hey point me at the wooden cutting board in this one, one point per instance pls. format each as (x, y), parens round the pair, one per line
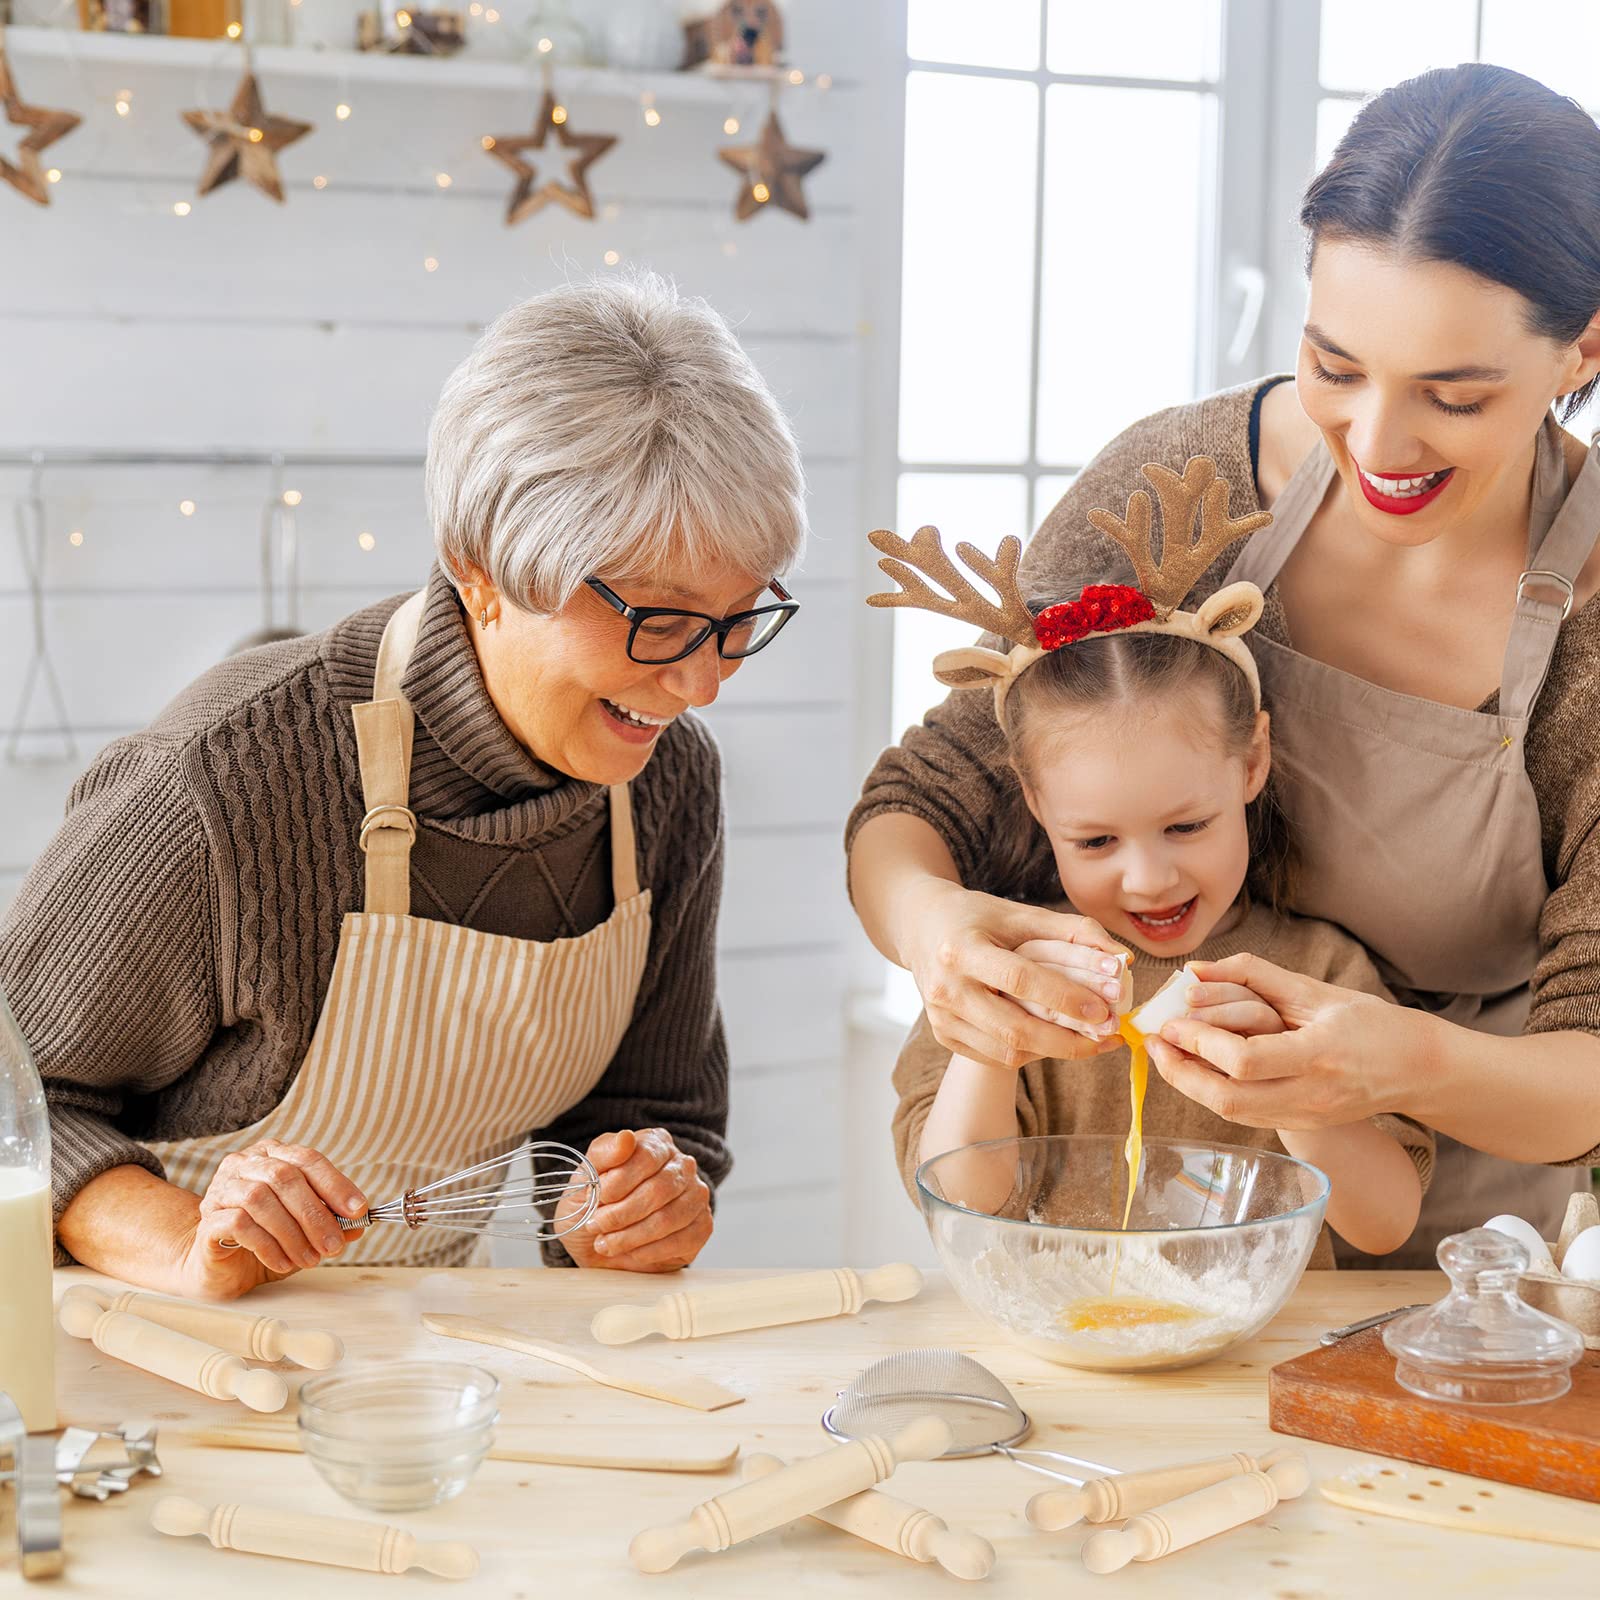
(1345, 1394)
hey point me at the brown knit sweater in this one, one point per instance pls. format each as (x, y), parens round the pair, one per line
(950, 771)
(168, 954)
(1092, 1096)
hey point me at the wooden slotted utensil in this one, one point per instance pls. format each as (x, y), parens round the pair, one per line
(654, 1381)
(548, 1446)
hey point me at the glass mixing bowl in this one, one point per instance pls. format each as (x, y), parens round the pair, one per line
(402, 1436)
(1030, 1232)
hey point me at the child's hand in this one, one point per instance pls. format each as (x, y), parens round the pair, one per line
(1234, 1008)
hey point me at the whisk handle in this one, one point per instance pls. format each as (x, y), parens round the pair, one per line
(1212, 1510)
(355, 1224)
(794, 1491)
(1120, 1495)
(763, 1303)
(302, 1536)
(895, 1525)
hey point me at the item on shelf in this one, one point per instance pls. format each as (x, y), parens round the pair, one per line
(415, 32)
(740, 34)
(643, 35)
(204, 19)
(326, 24)
(115, 16)
(577, 153)
(245, 141)
(27, 1341)
(772, 169)
(266, 21)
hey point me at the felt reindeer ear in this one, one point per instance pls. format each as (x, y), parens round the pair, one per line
(971, 667)
(1231, 611)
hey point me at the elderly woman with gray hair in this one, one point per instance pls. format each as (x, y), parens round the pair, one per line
(362, 909)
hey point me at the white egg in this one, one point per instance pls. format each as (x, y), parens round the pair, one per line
(1582, 1259)
(1528, 1237)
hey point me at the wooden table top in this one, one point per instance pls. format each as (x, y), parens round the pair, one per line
(546, 1531)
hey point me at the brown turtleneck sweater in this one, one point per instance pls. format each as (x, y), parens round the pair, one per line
(168, 954)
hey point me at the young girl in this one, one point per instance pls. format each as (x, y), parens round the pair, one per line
(1140, 747)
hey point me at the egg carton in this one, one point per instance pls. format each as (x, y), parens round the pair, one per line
(1571, 1300)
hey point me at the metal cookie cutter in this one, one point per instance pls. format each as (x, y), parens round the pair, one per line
(33, 1472)
(96, 1480)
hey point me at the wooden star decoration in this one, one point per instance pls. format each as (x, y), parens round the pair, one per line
(772, 169)
(245, 141)
(579, 152)
(27, 175)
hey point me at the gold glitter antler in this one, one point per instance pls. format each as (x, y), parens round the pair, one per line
(1167, 582)
(904, 559)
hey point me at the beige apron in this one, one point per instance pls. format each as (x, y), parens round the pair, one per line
(1419, 828)
(439, 1046)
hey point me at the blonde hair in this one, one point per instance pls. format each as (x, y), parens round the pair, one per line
(610, 427)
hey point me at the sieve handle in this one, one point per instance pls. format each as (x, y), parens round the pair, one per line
(240, 1332)
(793, 1491)
(1180, 1523)
(765, 1303)
(1123, 1494)
(894, 1525)
(300, 1536)
(174, 1356)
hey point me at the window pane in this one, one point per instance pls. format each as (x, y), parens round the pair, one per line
(1046, 491)
(1004, 33)
(1369, 44)
(1154, 39)
(1555, 41)
(1333, 117)
(981, 508)
(1122, 255)
(966, 320)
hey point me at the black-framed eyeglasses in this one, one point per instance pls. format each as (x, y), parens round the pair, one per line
(658, 635)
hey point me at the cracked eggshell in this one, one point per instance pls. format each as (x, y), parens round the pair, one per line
(1168, 1003)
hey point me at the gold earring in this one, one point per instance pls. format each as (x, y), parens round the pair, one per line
(483, 618)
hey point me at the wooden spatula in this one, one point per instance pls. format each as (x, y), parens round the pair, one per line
(551, 1446)
(657, 1382)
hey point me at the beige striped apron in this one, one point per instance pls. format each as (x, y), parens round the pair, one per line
(438, 1046)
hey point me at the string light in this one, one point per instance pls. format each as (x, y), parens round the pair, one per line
(762, 193)
(731, 125)
(234, 30)
(491, 15)
(75, 538)
(652, 117)
(54, 175)
(612, 258)
(342, 111)
(558, 115)
(366, 541)
(403, 19)
(291, 497)
(430, 264)
(186, 507)
(124, 102)
(823, 80)
(443, 179)
(546, 46)
(256, 136)
(797, 77)
(181, 208)
(475, 9)
(319, 182)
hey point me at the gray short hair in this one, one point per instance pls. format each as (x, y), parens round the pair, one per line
(609, 427)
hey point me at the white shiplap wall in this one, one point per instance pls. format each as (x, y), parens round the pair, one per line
(314, 328)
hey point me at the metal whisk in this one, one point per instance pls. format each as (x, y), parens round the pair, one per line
(479, 1200)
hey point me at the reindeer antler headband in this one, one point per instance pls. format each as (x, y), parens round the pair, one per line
(1103, 608)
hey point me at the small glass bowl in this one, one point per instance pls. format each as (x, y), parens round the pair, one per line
(403, 1436)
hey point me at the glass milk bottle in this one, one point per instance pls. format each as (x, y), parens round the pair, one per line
(27, 1328)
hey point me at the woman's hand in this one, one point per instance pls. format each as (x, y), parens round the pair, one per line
(277, 1201)
(655, 1208)
(1235, 1008)
(965, 952)
(1339, 1059)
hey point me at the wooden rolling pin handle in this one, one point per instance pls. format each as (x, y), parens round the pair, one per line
(1124, 1494)
(259, 1338)
(299, 1536)
(174, 1356)
(765, 1303)
(796, 1491)
(1212, 1510)
(892, 1524)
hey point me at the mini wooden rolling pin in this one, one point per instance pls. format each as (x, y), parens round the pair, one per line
(1180, 1523)
(241, 1332)
(1123, 1494)
(173, 1355)
(892, 1524)
(794, 1491)
(300, 1536)
(764, 1303)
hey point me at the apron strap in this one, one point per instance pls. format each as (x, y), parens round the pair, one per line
(384, 728)
(1545, 590)
(1263, 554)
(624, 857)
